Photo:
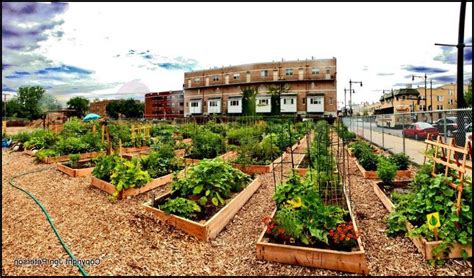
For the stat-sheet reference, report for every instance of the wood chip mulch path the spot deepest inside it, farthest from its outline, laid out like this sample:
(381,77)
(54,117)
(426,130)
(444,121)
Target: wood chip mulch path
(130,241)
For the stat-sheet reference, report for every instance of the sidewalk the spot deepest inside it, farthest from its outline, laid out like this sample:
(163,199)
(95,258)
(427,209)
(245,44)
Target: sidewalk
(413,148)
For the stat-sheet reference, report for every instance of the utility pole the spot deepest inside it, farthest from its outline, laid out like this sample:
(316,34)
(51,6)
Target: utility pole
(461,138)
(350,92)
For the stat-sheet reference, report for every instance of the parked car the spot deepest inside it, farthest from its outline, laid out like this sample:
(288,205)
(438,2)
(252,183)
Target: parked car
(420,130)
(467,130)
(451,125)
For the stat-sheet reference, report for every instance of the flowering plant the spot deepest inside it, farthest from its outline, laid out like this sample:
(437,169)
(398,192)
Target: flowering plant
(274,231)
(344,236)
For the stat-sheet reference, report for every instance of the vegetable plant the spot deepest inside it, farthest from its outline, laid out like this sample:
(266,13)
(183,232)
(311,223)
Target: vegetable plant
(74,158)
(386,170)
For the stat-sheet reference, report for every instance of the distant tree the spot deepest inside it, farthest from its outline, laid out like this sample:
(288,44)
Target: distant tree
(249,104)
(49,102)
(29,98)
(276,92)
(468,95)
(130,108)
(80,104)
(14,109)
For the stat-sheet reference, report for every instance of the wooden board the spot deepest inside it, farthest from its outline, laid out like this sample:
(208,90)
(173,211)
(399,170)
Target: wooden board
(424,247)
(74,172)
(49,160)
(354,262)
(373,174)
(228,156)
(110,188)
(254,169)
(212,227)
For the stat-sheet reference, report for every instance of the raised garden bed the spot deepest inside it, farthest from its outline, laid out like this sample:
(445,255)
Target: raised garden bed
(63,158)
(424,247)
(80,171)
(401,174)
(352,261)
(135,149)
(110,188)
(213,226)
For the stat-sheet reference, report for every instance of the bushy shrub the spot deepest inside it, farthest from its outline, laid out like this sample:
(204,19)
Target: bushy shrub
(207,144)
(401,160)
(41,139)
(386,170)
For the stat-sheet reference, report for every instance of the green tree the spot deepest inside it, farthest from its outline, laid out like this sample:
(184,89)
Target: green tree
(249,104)
(29,98)
(468,94)
(80,104)
(49,102)
(14,109)
(130,108)
(276,92)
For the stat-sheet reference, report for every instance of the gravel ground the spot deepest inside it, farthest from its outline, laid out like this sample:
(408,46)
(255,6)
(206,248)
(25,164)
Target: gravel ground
(130,241)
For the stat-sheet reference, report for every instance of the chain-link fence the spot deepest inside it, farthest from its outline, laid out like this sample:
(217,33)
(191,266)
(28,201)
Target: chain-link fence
(406,132)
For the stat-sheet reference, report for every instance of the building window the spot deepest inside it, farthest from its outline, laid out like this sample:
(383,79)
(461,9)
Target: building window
(304,100)
(264,73)
(440,98)
(213,103)
(288,101)
(315,71)
(450,101)
(215,78)
(450,92)
(314,101)
(263,102)
(328,70)
(194,104)
(236,76)
(288,71)
(330,101)
(234,103)
(197,80)
(181,104)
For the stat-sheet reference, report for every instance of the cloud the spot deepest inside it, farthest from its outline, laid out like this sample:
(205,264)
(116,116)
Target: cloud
(385,74)
(424,69)
(152,61)
(449,55)
(24,25)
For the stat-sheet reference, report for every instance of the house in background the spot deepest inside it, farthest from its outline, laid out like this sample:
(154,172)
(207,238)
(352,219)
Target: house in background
(164,105)
(308,88)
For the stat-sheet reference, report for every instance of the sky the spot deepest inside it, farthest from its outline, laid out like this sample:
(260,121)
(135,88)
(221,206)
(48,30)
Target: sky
(122,50)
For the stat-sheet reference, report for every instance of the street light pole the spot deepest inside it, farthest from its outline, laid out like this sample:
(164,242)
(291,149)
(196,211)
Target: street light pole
(350,92)
(426,97)
(431,93)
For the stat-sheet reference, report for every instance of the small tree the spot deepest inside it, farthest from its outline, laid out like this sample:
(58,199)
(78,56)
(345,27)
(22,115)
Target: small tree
(80,104)
(249,104)
(28,99)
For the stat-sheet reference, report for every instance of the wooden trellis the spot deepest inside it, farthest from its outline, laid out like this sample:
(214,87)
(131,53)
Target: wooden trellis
(443,154)
(141,131)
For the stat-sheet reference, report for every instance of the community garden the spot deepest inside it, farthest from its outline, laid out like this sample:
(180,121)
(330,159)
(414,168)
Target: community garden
(244,197)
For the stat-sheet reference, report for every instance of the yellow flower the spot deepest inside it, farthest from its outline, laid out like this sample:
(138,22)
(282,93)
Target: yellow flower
(296,203)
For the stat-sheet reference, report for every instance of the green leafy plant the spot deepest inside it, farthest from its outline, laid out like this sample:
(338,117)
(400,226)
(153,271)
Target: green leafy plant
(161,161)
(104,166)
(74,158)
(44,153)
(41,139)
(128,174)
(386,170)
(207,144)
(181,207)
(401,160)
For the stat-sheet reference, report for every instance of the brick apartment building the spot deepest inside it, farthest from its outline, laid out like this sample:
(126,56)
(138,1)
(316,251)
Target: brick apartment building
(164,105)
(99,107)
(310,88)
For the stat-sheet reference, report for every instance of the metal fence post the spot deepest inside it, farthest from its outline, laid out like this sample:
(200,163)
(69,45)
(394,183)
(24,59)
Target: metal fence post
(370,127)
(444,127)
(403,135)
(363,126)
(383,139)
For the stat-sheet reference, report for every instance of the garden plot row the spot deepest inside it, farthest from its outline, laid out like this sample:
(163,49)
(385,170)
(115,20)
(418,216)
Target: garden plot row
(433,192)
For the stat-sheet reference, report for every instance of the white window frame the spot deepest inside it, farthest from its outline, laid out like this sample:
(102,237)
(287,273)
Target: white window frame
(263,73)
(263,102)
(213,103)
(236,76)
(234,103)
(289,71)
(215,77)
(194,104)
(315,71)
(440,98)
(197,80)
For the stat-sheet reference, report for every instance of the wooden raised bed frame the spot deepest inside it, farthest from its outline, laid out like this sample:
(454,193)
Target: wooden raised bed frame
(49,160)
(263,169)
(373,174)
(424,247)
(353,261)
(110,188)
(226,157)
(215,224)
(74,172)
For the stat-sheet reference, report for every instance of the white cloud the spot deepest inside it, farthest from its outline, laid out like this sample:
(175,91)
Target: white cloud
(366,38)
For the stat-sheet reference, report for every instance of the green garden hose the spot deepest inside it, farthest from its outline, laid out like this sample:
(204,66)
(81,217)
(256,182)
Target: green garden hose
(48,217)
